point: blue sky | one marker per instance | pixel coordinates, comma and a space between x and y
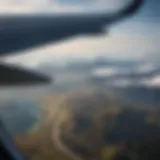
135, 38
147, 18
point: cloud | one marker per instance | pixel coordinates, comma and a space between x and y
155, 81
31, 6
117, 45
48, 6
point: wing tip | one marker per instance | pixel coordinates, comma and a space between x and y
133, 7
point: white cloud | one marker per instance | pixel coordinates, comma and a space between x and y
116, 45
105, 72
29, 6
155, 81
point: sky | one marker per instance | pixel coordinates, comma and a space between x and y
135, 38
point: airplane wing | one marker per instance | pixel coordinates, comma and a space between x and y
21, 32
12, 75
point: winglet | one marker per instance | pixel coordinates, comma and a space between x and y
130, 9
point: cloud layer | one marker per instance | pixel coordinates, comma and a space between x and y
48, 6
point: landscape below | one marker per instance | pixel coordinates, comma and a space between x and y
92, 125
